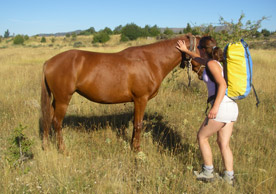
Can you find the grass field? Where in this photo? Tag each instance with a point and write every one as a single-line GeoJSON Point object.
{"type": "Point", "coordinates": [99, 158]}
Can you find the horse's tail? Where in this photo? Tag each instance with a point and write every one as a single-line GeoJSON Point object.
{"type": "Point", "coordinates": [46, 97]}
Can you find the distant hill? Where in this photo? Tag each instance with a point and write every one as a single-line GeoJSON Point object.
{"type": "Point", "coordinates": [60, 33]}
{"type": "Point", "coordinates": [175, 30]}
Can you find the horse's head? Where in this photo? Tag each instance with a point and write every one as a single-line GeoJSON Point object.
{"type": "Point", "coordinates": [186, 61]}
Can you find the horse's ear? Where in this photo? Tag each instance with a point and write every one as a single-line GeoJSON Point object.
{"type": "Point", "coordinates": [183, 60]}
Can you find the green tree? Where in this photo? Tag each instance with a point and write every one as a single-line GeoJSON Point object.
{"type": "Point", "coordinates": [168, 32]}
{"type": "Point", "coordinates": [26, 37]}
{"type": "Point", "coordinates": [154, 31]}
{"type": "Point", "coordinates": [234, 31]}
{"type": "Point", "coordinates": [74, 36]}
{"type": "Point", "coordinates": [239, 30]}
{"type": "Point", "coordinates": [118, 29]}
{"type": "Point", "coordinates": [188, 29]}
{"type": "Point", "coordinates": [18, 39]}
{"type": "Point", "coordinates": [107, 31]}
{"type": "Point", "coordinates": [101, 37]}
{"type": "Point", "coordinates": [7, 34]}
{"type": "Point", "coordinates": [89, 31]}
{"type": "Point", "coordinates": [265, 32]}
{"type": "Point", "coordinates": [43, 40]}
{"type": "Point", "coordinates": [131, 31]}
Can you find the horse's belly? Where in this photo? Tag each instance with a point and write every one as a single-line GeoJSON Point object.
{"type": "Point", "coordinates": [106, 95]}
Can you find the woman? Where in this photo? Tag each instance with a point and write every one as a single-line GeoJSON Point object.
{"type": "Point", "coordinates": [223, 113]}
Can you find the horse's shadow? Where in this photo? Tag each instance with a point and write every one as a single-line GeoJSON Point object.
{"type": "Point", "coordinates": [161, 132]}
{"type": "Point", "coordinates": [154, 124]}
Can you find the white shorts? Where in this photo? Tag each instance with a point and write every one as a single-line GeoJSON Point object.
{"type": "Point", "coordinates": [228, 111]}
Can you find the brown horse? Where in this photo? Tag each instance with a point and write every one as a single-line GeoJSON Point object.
{"type": "Point", "coordinates": [131, 75]}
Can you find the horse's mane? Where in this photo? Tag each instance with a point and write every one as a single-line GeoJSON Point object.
{"type": "Point", "coordinates": [160, 43]}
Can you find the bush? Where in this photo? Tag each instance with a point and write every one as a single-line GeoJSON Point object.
{"type": "Point", "coordinates": [168, 32]}
{"type": "Point", "coordinates": [74, 36]}
{"type": "Point", "coordinates": [77, 44]}
{"type": "Point", "coordinates": [124, 38]}
{"type": "Point", "coordinates": [101, 37]}
{"type": "Point", "coordinates": [26, 37]}
{"type": "Point", "coordinates": [118, 29]}
{"type": "Point", "coordinates": [154, 31]}
{"type": "Point", "coordinates": [19, 148]}
{"type": "Point", "coordinates": [18, 39]}
{"type": "Point", "coordinates": [43, 40]}
{"type": "Point", "coordinates": [131, 31]}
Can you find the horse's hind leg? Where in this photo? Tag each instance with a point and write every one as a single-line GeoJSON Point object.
{"type": "Point", "coordinates": [59, 113]}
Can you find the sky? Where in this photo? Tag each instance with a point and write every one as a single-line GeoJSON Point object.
{"type": "Point", "coordinates": [31, 17]}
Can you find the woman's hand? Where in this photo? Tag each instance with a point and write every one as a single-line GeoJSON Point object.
{"type": "Point", "coordinates": [181, 45]}
{"type": "Point", "coordinates": [213, 113]}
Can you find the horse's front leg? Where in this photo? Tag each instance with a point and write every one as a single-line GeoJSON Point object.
{"type": "Point", "coordinates": [139, 110]}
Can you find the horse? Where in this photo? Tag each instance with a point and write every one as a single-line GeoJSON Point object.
{"type": "Point", "coordinates": [131, 75]}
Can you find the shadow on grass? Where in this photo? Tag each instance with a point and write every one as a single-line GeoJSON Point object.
{"type": "Point", "coordinates": [161, 133]}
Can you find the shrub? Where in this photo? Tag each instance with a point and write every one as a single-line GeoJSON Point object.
{"type": "Point", "coordinates": [19, 148]}
{"type": "Point", "coordinates": [43, 40]}
{"type": "Point", "coordinates": [118, 29]}
{"type": "Point", "coordinates": [107, 31]}
{"type": "Point", "coordinates": [7, 34]}
{"type": "Point", "coordinates": [18, 39]}
{"type": "Point", "coordinates": [74, 36]}
{"type": "Point", "coordinates": [154, 31]}
{"type": "Point", "coordinates": [131, 31]}
{"type": "Point", "coordinates": [101, 37]}
{"type": "Point", "coordinates": [77, 44]}
{"type": "Point", "coordinates": [168, 32]}
{"type": "Point", "coordinates": [26, 37]}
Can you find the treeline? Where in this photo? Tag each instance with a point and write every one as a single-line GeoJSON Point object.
{"type": "Point", "coordinates": [225, 32]}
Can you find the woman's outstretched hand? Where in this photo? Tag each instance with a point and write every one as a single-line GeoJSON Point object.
{"type": "Point", "coordinates": [181, 45]}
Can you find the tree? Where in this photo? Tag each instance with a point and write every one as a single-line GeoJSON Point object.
{"type": "Point", "coordinates": [168, 32]}
{"type": "Point", "coordinates": [18, 39]}
{"type": "Point", "coordinates": [265, 32]}
{"type": "Point", "coordinates": [101, 37]}
{"type": "Point", "coordinates": [26, 37]}
{"type": "Point", "coordinates": [239, 30]}
{"type": "Point", "coordinates": [107, 31]}
{"type": "Point", "coordinates": [234, 31]}
{"type": "Point", "coordinates": [89, 31]}
{"type": "Point", "coordinates": [43, 40]}
{"type": "Point", "coordinates": [7, 34]}
{"type": "Point", "coordinates": [74, 36]}
{"type": "Point", "coordinates": [154, 31]}
{"type": "Point", "coordinates": [188, 29]}
{"type": "Point", "coordinates": [131, 31]}
{"type": "Point", "coordinates": [118, 29]}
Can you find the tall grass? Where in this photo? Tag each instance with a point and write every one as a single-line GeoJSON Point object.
{"type": "Point", "coordinates": [97, 136]}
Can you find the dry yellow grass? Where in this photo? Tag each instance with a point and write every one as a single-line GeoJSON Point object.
{"type": "Point", "coordinates": [99, 158]}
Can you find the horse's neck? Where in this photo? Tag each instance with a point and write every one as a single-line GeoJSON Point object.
{"type": "Point", "coordinates": [167, 57]}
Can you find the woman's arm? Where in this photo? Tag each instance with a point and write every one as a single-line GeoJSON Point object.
{"type": "Point", "coordinates": [181, 45]}
{"type": "Point", "coordinates": [216, 71]}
